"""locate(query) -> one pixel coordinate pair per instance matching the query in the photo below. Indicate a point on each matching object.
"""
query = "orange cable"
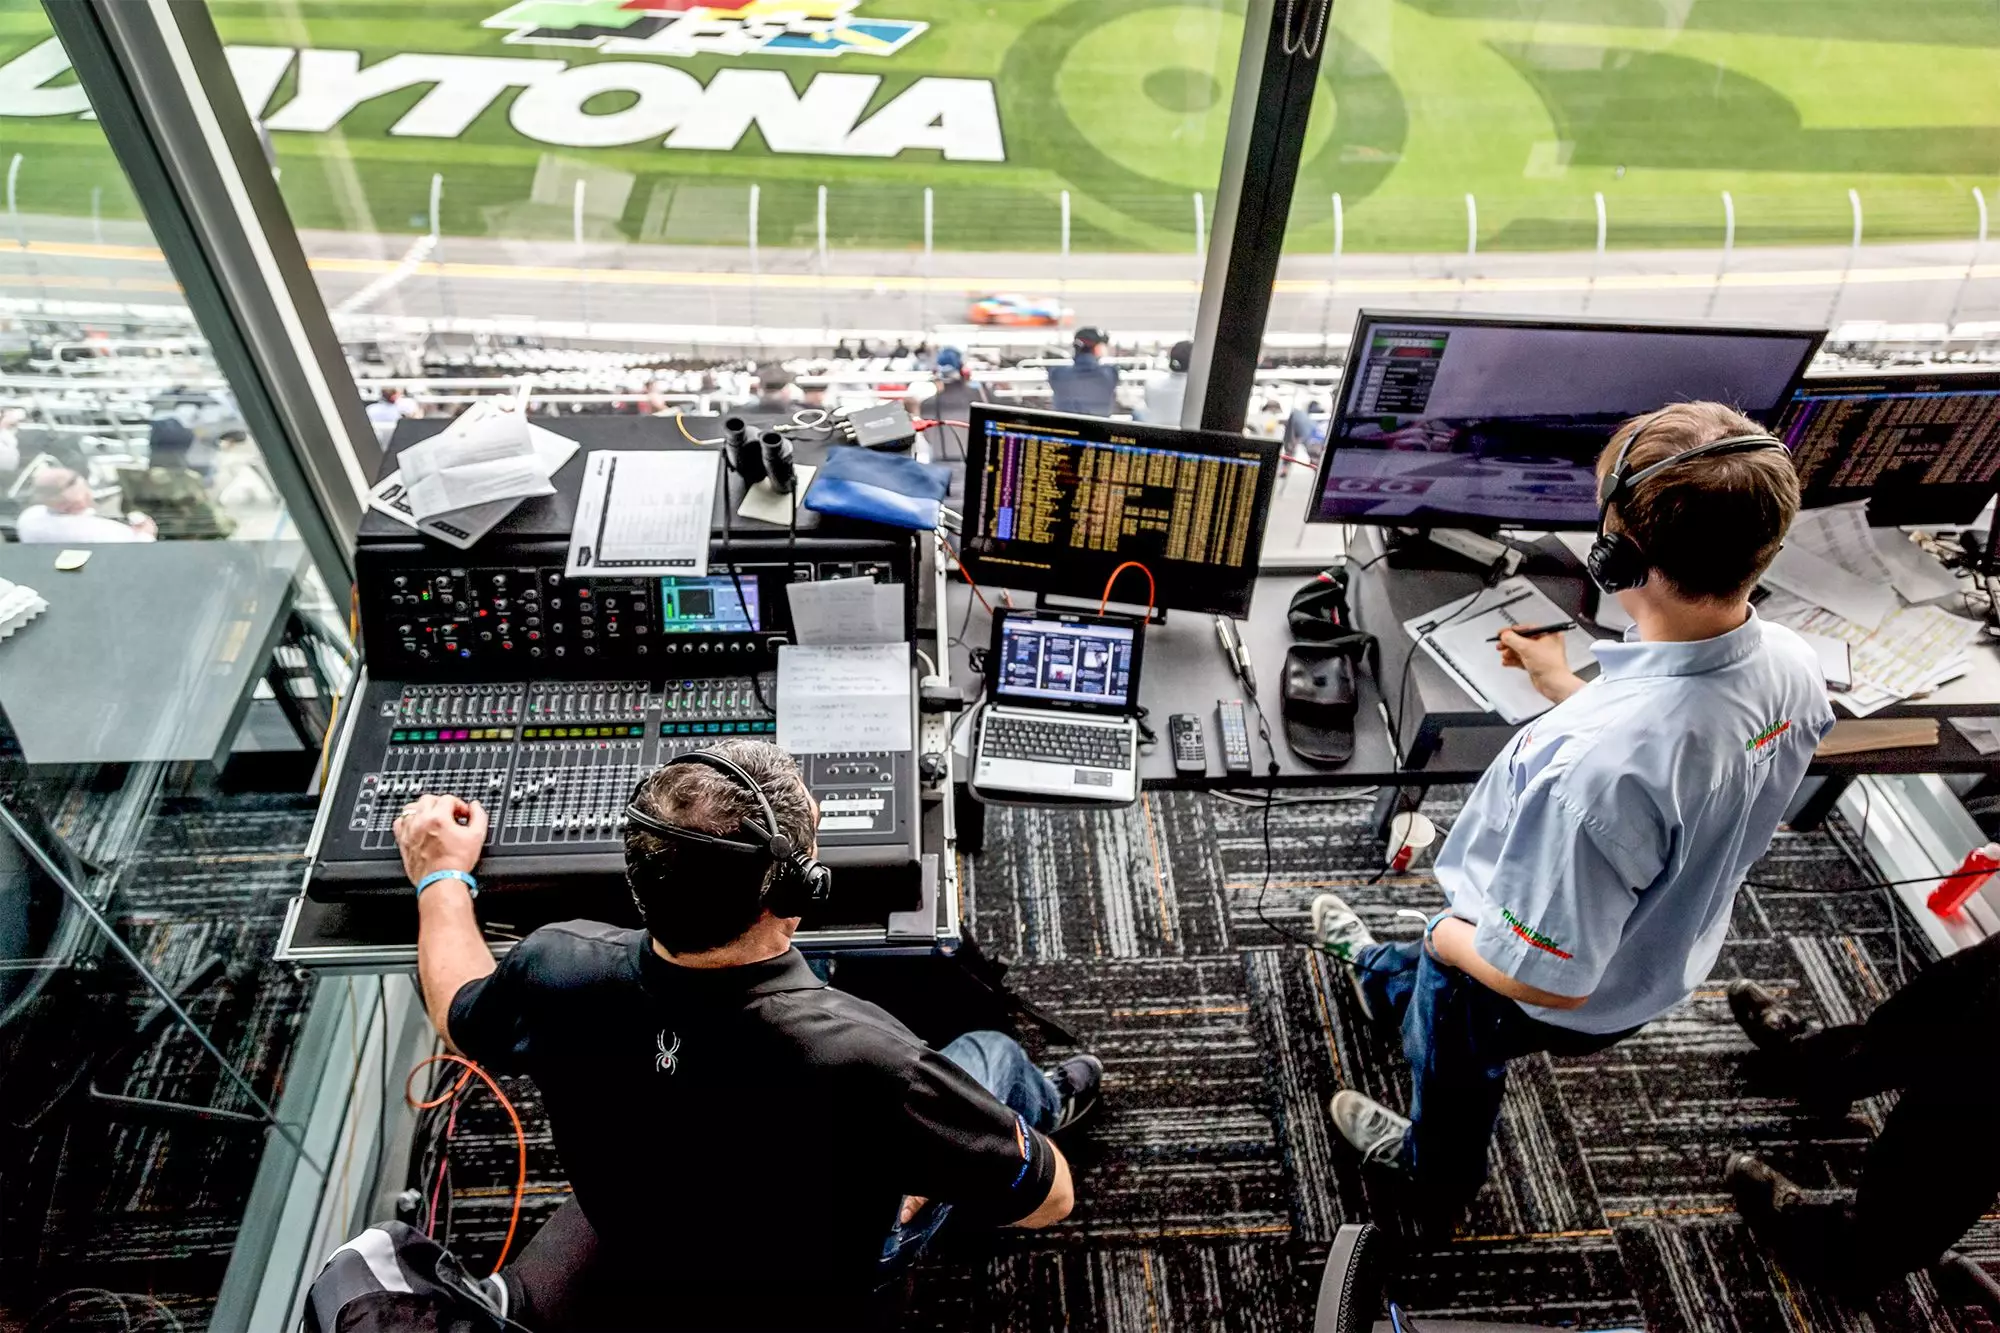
(520, 1135)
(1103, 601)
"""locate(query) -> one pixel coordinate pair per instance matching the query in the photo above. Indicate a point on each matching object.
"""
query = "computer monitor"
(1919, 447)
(1054, 503)
(1466, 421)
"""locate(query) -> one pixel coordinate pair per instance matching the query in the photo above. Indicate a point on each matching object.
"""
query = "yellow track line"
(641, 277)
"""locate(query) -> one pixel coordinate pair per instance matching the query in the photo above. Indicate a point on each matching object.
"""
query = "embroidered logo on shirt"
(1767, 735)
(669, 1058)
(1533, 936)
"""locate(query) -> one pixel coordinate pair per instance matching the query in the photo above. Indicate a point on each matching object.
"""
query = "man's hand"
(912, 1205)
(440, 833)
(1546, 660)
(142, 524)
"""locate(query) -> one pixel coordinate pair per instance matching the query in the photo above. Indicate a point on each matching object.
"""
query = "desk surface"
(1450, 737)
(1183, 671)
(147, 653)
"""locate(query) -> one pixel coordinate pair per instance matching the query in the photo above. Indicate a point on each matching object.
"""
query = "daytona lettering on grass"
(1533, 936)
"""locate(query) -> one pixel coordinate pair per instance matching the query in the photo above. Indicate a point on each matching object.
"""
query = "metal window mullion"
(1276, 74)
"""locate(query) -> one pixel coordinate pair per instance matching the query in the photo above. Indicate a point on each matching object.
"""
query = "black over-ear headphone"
(800, 881)
(1617, 562)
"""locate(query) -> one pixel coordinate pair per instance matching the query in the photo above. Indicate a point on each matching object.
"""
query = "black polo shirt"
(740, 1138)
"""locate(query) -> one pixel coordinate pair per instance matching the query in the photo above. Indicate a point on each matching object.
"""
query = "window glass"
(1750, 161)
(713, 187)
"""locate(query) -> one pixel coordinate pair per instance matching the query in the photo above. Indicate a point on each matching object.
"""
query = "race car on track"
(1018, 310)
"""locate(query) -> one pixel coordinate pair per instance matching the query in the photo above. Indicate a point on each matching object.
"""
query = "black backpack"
(393, 1278)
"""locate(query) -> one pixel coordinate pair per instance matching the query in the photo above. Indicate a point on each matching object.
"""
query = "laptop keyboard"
(1057, 743)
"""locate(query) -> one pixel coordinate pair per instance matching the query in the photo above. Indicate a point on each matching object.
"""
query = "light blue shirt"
(1601, 853)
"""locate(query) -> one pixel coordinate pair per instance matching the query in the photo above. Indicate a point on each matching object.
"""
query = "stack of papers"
(1455, 636)
(457, 485)
(18, 605)
(856, 610)
(1914, 650)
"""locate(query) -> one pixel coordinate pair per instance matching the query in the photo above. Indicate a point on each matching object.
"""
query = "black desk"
(1446, 736)
(148, 653)
(1184, 671)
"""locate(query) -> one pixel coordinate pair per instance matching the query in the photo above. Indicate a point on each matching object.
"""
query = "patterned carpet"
(1210, 1189)
(90, 1201)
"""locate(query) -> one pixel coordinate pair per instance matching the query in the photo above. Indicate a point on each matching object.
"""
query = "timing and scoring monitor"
(1920, 448)
(1054, 503)
(710, 605)
(1474, 422)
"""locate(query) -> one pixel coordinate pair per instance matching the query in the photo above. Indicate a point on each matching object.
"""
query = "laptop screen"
(1046, 659)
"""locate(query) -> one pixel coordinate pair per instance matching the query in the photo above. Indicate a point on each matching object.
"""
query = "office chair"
(1350, 1293)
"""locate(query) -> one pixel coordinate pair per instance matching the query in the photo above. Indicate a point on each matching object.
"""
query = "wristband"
(462, 876)
(1430, 926)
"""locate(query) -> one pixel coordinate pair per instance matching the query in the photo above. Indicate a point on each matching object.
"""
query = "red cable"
(1129, 564)
(520, 1135)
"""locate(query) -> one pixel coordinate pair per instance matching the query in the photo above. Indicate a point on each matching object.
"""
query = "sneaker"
(1375, 1131)
(1080, 1081)
(1764, 1018)
(1763, 1193)
(1339, 930)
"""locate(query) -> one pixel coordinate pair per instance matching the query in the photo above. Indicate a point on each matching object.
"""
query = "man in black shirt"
(748, 1148)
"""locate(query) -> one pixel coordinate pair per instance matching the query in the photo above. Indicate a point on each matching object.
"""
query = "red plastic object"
(1968, 879)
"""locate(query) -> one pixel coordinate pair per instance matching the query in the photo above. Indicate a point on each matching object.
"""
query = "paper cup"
(1410, 833)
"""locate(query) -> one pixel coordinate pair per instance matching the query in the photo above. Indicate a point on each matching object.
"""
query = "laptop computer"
(1063, 715)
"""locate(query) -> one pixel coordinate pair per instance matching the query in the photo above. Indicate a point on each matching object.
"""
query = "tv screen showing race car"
(1471, 422)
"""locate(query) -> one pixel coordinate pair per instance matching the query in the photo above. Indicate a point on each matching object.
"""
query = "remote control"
(1235, 735)
(1190, 755)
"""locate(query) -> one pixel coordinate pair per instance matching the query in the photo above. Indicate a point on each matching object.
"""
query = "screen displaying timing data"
(1481, 423)
(1057, 503)
(1063, 661)
(708, 605)
(1920, 449)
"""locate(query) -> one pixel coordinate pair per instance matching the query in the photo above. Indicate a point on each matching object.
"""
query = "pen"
(1537, 631)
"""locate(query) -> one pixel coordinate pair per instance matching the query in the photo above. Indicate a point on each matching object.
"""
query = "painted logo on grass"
(682, 28)
(1533, 936)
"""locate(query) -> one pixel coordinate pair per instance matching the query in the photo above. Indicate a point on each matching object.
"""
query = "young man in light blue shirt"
(1590, 876)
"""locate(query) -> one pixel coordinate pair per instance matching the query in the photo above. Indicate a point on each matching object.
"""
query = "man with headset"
(748, 1147)
(1590, 877)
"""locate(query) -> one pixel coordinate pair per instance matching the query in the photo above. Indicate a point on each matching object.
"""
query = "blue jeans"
(1458, 1037)
(999, 1065)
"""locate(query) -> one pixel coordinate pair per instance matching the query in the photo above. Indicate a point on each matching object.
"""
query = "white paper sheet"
(857, 610)
(1916, 649)
(1836, 664)
(464, 527)
(644, 512)
(1800, 572)
(834, 698)
(1916, 573)
(1840, 535)
(486, 455)
(1460, 646)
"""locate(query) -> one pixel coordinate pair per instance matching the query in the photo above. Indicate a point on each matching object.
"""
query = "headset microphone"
(801, 883)
(1615, 561)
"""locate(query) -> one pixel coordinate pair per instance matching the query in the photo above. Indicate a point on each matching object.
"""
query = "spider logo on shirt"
(669, 1058)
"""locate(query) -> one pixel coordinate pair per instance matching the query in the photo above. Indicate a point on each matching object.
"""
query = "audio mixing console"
(554, 762)
(494, 676)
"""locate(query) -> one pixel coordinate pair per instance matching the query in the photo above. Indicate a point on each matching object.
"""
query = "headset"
(1615, 561)
(800, 882)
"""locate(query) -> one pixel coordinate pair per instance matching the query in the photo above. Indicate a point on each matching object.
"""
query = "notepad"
(1455, 637)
